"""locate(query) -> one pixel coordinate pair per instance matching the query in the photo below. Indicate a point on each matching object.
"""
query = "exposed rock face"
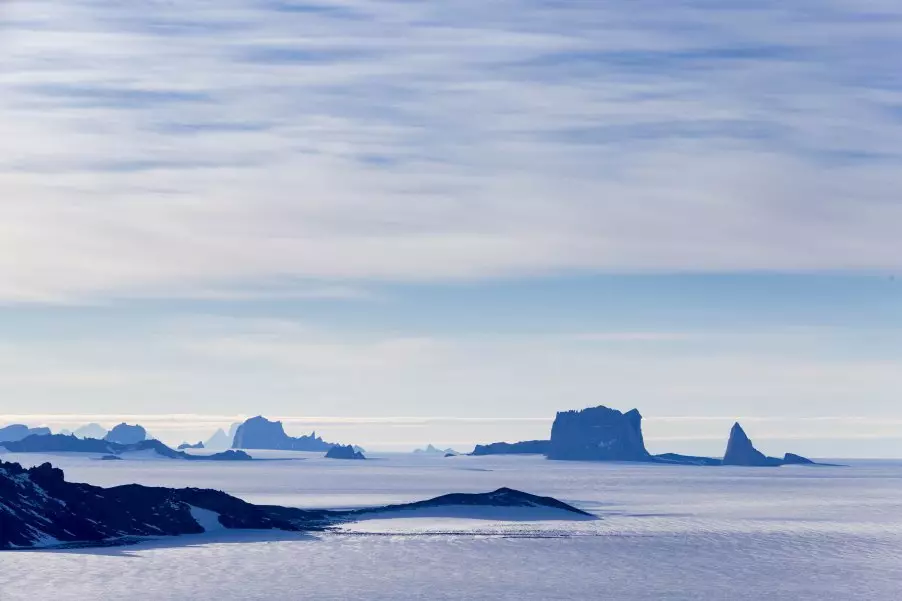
(57, 443)
(503, 497)
(41, 509)
(91, 431)
(793, 459)
(126, 434)
(598, 434)
(741, 451)
(260, 433)
(677, 459)
(344, 452)
(525, 447)
(16, 432)
(188, 445)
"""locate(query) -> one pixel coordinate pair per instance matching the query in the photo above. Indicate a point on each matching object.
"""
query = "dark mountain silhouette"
(503, 497)
(15, 432)
(741, 451)
(604, 434)
(525, 447)
(344, 452)
(41, 509)
(57, 443)
(260, 433)
(126, 434)
(188, 445)
(793, 459)
(676, 458)
(598, 434)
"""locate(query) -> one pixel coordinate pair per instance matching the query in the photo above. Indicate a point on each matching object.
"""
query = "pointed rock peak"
(741, 451)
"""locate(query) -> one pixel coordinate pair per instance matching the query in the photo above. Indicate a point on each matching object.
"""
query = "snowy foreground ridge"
(38, 508)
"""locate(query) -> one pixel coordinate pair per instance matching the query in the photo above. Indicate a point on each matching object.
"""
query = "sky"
(402, 222)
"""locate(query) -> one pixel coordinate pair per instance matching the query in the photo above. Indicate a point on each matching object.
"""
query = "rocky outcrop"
(741, 451)
(57, 443)
(793, 459)
(260, 433)
(598, 434)
(503, 497)
(41, 509)
(344, 452)
(677, 459)
(126, 434)
(524, 447)
(16, 432)
(188, 445)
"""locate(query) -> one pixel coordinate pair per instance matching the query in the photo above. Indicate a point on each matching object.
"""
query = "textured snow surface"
(668, 532)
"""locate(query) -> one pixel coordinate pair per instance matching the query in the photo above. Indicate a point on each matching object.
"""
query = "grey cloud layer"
(157, 147)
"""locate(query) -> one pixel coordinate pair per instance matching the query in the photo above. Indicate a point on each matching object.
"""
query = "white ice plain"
(667, 532)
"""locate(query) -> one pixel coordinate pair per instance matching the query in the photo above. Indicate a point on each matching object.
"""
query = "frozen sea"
(666, 532)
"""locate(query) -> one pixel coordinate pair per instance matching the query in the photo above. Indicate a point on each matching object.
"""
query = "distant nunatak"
(604, 434)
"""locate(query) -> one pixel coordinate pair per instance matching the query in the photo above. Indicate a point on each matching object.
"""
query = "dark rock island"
(188, 445)
(604, 434)
(59, 443)
(260, 433)
(126, 434)
(344, 452)
(598, 434)
(16, 432)
(741, 451)
(525, 447)
(41, 509)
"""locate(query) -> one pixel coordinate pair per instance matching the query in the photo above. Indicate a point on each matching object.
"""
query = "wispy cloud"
(153, 148)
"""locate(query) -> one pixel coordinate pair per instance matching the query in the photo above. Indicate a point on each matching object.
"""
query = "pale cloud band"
(154, 149)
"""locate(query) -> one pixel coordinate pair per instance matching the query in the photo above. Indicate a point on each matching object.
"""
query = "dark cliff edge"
(60, 443)
(344, 452)
(604, 434)
(260, 433)
(598, 434)
(526, 447)
(741, 451)
(41, 509)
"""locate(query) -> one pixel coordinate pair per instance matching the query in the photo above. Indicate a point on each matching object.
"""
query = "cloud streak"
(151, 148)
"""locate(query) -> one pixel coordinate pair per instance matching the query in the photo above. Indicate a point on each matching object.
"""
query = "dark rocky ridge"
(188, 445)
(126, 434)
(41, 509)
(59, 443)
(16, 432)
(344, 452)
(260, 433)
(503, 497)
(525, 447)
(741, 451)
(604, 434)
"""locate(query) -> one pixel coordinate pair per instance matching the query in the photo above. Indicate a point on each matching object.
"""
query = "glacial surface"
(667, 532)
